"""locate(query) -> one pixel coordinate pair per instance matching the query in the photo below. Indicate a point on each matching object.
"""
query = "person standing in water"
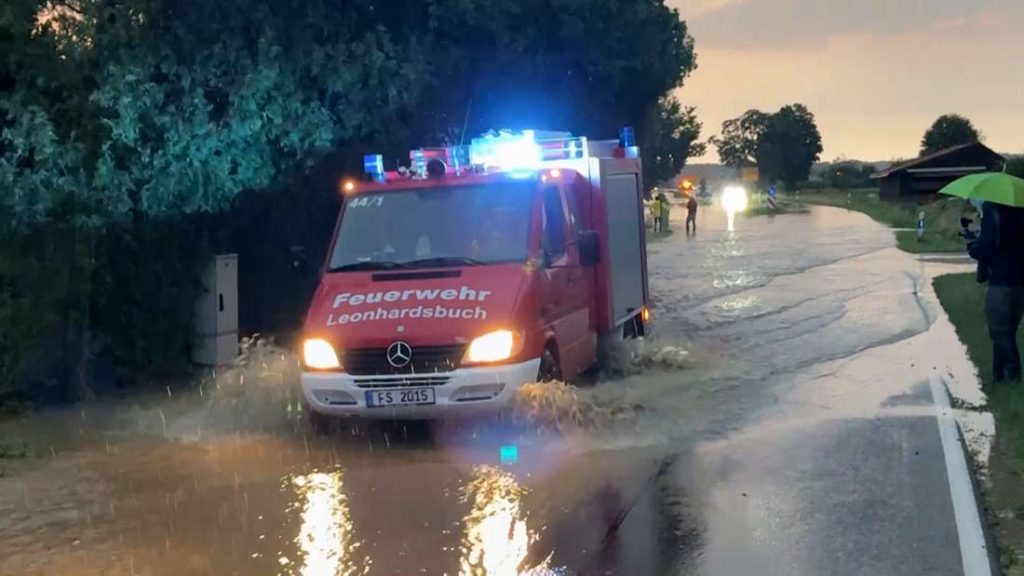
(656, 213)
(691, 215)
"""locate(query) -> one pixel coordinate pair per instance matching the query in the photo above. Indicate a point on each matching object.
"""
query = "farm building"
(929, 173)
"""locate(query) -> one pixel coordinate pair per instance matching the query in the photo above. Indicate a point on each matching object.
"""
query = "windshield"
(452, 225)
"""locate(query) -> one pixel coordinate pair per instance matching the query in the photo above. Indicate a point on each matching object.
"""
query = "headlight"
(318, 354)
(492, 347)
(734, 199)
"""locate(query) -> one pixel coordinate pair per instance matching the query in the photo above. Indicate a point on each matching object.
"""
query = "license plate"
(400, 397)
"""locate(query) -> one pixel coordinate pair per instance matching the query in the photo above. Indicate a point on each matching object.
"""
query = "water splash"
(259, 392)
(560, 407)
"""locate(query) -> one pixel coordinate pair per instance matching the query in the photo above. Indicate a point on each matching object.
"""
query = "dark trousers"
(1004, 307)
(691, 218)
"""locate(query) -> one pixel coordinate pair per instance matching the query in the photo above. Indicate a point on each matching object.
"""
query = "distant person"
(665, 208)
(691, 215)
(999, 251)
(656, 213)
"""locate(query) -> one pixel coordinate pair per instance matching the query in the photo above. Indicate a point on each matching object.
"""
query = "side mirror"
(589, 243)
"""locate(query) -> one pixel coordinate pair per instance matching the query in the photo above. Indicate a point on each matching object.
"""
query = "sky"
(876, 73)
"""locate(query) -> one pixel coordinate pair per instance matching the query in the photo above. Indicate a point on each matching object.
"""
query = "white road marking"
(973, 550)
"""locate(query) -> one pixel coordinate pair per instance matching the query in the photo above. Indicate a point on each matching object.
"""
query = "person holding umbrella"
(999, 250)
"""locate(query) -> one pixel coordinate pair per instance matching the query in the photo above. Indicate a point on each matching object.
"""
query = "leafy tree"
(738, 142)
(548, 64)
(948, 131)
(118, 113)
(672, 134)
(843, 174)
(789, 146)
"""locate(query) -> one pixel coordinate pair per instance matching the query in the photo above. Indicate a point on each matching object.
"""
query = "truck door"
(568, 309)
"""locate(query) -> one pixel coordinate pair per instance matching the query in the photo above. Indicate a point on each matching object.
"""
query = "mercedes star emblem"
(399, 354)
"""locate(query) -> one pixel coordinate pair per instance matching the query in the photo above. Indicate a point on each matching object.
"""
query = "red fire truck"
(477, 270)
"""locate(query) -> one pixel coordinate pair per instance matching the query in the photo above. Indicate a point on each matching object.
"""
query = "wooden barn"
(928, 174)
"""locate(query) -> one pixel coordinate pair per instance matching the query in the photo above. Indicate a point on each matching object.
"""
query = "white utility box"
(215, 339)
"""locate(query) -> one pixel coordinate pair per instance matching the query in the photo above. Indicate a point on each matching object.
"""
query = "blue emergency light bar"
(517, 153)
(526, 150)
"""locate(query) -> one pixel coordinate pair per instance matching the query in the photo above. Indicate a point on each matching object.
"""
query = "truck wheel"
(549, 370)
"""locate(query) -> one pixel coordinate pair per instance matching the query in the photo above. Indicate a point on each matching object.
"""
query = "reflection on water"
(497, 538)
(733, 279)
(325, 540)
(738, 303)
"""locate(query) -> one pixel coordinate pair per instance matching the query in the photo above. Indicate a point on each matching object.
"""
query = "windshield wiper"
(443, 261)
(368, 265)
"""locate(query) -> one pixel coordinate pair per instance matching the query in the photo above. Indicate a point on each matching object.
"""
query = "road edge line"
(970, 533)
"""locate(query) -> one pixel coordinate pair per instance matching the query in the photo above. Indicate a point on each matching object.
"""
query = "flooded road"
(781, 421)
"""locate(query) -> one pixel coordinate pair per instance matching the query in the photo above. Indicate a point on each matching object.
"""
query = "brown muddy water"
(786, 370)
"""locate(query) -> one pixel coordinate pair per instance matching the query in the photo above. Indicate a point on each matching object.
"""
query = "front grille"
(400, 382)
(425, 360)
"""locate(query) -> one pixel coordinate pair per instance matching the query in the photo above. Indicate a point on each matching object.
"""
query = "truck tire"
(549, 369)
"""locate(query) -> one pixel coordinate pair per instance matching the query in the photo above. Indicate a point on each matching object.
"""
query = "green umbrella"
(995, 187)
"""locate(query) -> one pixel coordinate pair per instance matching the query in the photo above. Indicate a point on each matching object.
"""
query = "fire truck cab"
(449, 286)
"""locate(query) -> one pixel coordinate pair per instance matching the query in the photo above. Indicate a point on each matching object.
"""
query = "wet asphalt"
(798, 437)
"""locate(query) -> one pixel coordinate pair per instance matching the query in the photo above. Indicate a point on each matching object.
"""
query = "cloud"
(873, 96)
(696, 8)
(800, 23)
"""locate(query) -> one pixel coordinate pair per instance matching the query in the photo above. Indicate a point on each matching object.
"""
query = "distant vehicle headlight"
(492, 347)
(734, 199)
(318, 354)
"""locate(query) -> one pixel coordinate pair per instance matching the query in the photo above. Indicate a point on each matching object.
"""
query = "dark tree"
(948, 131)
(672, 133)
(738, 141)
(544, 64)
(844, 174)
(789, 146)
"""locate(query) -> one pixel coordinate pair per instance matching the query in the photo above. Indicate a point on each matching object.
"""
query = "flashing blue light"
(373, 166)
(628, 137)
(419, 161)
(509, 454)
(513, 152)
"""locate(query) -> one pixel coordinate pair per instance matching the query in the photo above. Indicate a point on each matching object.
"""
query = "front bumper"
(462, 392)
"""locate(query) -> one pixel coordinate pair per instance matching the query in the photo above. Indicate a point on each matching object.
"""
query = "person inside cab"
(500, 232)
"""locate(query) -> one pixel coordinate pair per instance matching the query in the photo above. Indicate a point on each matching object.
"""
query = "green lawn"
(932, 241)
(964, 301)
(942, 218)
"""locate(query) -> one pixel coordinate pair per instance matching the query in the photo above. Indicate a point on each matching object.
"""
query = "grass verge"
(963, 299)
(942, 218)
